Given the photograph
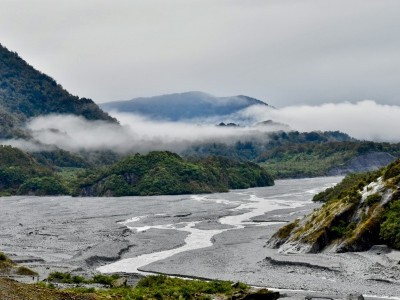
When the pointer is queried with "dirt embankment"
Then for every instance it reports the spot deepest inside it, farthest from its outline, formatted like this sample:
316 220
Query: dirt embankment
13 290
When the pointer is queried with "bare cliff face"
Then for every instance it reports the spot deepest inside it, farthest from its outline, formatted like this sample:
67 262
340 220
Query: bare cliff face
360 212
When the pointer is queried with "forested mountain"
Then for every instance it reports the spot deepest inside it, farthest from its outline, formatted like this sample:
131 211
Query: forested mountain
166 173
361 211
304 154
157 173
26 92
183 106
20 173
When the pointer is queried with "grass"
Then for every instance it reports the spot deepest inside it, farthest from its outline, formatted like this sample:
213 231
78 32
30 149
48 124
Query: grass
6 264
285 231
155 287
61 277
24 271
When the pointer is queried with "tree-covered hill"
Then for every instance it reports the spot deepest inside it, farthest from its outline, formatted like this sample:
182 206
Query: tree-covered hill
20 173
160 173
304 154
26 92
361 211
157 173
329 158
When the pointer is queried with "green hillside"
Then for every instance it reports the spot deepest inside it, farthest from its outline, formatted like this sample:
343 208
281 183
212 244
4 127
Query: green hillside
304 154
20 173
160 173
26 92
361 211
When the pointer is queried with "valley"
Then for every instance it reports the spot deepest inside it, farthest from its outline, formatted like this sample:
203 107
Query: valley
219 236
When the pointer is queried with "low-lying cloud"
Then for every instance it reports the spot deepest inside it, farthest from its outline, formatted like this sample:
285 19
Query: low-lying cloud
136 134
365 120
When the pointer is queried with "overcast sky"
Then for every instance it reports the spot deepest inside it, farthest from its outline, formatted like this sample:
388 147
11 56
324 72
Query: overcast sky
283 52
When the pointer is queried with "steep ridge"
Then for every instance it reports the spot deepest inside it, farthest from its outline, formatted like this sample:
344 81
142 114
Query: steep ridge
361 211
26 92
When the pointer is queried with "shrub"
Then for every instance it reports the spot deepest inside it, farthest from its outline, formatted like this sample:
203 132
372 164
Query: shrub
104 279
60 277
3 257
390 228
26 271
372 199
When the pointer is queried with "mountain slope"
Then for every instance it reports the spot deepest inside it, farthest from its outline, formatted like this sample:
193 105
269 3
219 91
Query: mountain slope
166 173
26 92
361 211
184 106
20 173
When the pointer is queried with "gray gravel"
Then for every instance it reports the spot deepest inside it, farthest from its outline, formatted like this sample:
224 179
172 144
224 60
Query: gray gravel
80 234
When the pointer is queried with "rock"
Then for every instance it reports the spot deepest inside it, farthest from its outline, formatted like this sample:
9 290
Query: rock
262 294
235 285
238 295
119 282
355 297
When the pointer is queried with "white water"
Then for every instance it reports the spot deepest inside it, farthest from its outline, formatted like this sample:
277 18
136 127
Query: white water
198 238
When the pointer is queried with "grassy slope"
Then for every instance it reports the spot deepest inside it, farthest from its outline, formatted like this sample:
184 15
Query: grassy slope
13 290
361 211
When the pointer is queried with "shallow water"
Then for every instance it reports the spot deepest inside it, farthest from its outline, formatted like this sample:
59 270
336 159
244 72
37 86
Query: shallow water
247 204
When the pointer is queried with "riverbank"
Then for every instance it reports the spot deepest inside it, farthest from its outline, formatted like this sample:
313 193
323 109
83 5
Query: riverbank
80 235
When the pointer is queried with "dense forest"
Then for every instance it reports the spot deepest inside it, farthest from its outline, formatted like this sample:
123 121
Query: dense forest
304 154
160 173
26 92
157 173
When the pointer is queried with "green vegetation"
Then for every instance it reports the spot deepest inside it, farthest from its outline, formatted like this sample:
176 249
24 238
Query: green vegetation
372 199
163 287
355 215
390 228
61 277
153 287
24 271
6 264
318 159
296 155
159 173
26 92
257 149
349 186
285 231
20 173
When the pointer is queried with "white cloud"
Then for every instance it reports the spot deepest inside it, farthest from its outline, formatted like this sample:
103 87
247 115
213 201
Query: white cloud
284 52
136 134
366 120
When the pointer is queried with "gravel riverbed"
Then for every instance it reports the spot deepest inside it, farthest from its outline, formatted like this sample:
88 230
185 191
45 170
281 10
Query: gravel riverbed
216 236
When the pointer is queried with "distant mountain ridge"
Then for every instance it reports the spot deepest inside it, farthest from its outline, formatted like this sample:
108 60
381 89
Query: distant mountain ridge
183 106
26 92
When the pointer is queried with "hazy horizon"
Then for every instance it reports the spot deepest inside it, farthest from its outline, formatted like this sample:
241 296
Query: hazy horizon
285 53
